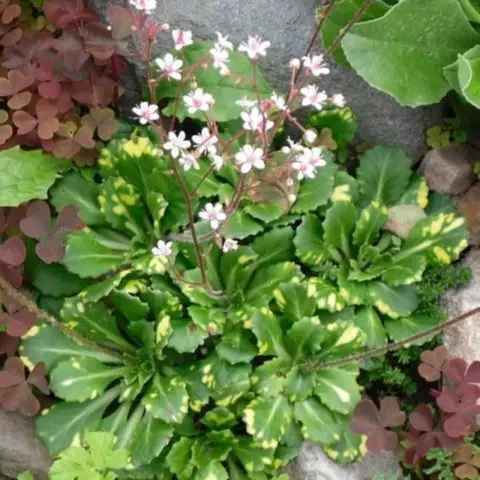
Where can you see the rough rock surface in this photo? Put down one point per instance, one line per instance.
(313, 464)
(469, 206)
(288, 24)
(20, 450)
(463, 340)
(450, 169)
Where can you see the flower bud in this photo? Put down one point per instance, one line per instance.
(295, 63)
(310, 136)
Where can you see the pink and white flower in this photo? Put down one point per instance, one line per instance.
(188, 161)
(313, 156)
(170, 66)
(254, 47)
(304, 169)
(198, 100)
(205, 142)
(162, 249)
(223, 42)
(310, 136)
(182, 38)
(217, 161)
(279, 101)
(229, 245)
(249, 157)
(176, 144)
(146, 112)
(256, 120)
(338, 100)
(213, 214)
(220, 58)
(292, 146)
(315, 65)
(311, 96)
(146, 6)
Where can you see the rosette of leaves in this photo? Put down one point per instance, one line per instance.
(226, 384)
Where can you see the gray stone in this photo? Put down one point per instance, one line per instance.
(463, 340)
(289, 24)
(314, 464)
(469, 206)
(20, 449)
(450, 169)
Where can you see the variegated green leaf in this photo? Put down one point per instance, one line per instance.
(369, 322)
(417, 192)
(318, 423)
(326, 295)
(299, 385)
(294, 301)
(338, 226)
(338, 389)
(237, 346)
(167, 399)
(252, 455)
(406, 271)
(83, 378)
(309, 246)
(267, 329)
(186, 336)
(267, 420)
(370, 223)
(268, 379)
(401, 328)
(394, 301)
(305, 338)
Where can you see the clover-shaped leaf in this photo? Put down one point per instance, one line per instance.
(422, 435)
(12, 254)
(46, 120)
(103, 120)
(461, 403)
(373, 422)
(73, 139)
(38, 225)
(432, 364)
(467, 461)
(16, 388)
(459, 372)
(17, 319)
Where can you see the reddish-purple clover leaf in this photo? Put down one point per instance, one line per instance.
(37, 225)
(467, 461)
(432, 363)
(12, 254)
(459, 372)
(373, 422)
(17, 319)
(15, 389)
(422, 436)
(461, 405)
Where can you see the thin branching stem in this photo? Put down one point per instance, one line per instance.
(50, 319)
(390, 347)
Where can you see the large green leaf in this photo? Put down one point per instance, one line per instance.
(80, 379)
(95, 321)
(369, 322)
(401, 328)
(383, 175)
(225, 90)
(186, 336)
(251, 455)
(338, 389)
(294, 301)
(60, 424)
(237, 346)
(74, 189)
(129, 305)
(395, 302)
(305, 338)
(55, 281)
(268, 379)
(27, 174)
(402, 53)
(309, 245)
(441, 237)
(87, 257)
(338, 226)
(234, 268)
(370, 223)
(149, 439)
(299, 385)
(316, 192)
(319, 424)
(341, 14)
(267, 329)
(167, 399)
(240, 225)
(275, 246)
(51, 346)
(267, 420)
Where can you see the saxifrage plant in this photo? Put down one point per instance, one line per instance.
(224, 279)
(415, 51)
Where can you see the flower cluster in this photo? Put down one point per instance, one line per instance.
(261, 116)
